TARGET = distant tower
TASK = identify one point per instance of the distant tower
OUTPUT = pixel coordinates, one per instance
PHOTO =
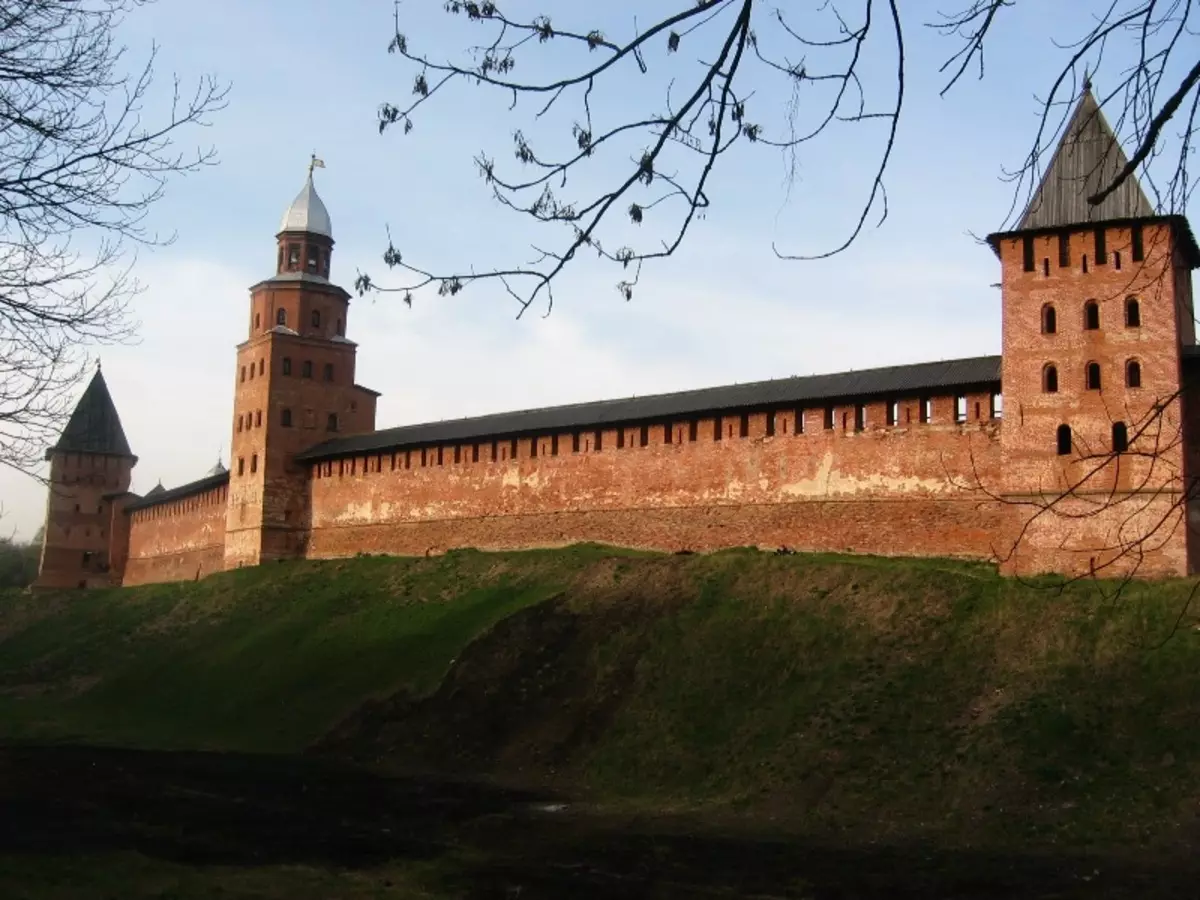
(294, 387)
(90, 469)
(1097, 316)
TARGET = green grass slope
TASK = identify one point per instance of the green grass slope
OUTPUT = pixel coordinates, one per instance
(891, 699)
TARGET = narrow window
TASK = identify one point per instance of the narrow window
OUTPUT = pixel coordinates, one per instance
(441, 458)
(293, 257)
(860, 417)
(512, 446)
(331, 423)
(1085, 264)
(1049, 319)
(243, 373)
(554, 445)
(316, 318)
(285, 418)
(599, 440)
(241, 465)
(996, 408)
(1046, 266)
(960, 409)
(693, 428)
(287, 365)
(645, 436)
(1101, 247)
(1133, 374)
(1064, 250)
(770, 423)
(253, 367)
(1028, 252)
(926, 412)
(1133, 313)
(239, 423)
(744, 426)
(829, 418)
(1117, 260)
(257, 321)
(457, 453)
(1120, 437)
(1064, 440)
(1138, 251)
(1091, 315)
(845, 421)
(341, 327)
(1049, 379)
(281, 317)
(329, 371)
(1093, 376)
(262, 366)
(666, 432)
(474, 453)
(253, 463)
(799, 429)
(893, 412)
(575, 442)
(312, 259)
(717, 428)
(495, 451)
(621, 438)
(258, 419)
(306, 369)
(533, 448)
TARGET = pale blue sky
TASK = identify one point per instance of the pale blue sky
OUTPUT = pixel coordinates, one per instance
(308, 75)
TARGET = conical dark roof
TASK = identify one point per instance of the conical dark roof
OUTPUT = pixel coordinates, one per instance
(95, 427)
(1087, 159)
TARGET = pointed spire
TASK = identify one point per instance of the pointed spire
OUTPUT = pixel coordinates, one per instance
(1088, 157)
(94, 426)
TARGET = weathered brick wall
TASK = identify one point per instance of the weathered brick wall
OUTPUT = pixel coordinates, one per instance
(908, 489)
(177, 541)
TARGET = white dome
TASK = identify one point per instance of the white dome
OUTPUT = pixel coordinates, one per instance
(307, 213)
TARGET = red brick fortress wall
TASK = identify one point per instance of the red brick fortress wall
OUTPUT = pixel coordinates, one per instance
(912, 488)
(177, 541)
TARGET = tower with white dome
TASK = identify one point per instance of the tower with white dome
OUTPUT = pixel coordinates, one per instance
(294, 387)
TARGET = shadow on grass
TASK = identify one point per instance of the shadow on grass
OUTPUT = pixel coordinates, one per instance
(207, 809)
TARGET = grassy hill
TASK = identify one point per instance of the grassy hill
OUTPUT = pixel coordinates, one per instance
(882, 699)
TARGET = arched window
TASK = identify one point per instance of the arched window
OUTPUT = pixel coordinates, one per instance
(331, 424)
(1093, 376)
(316, 318)
(312, 259)
(293, 257)
(1064, 440)
(1050, 379)
(1120, 437)
(1091, 315)
(1133, 374)
(287, 365)
(341, 327)
(257, 321)
(243, 373)
(285, 418)
(281, 317)
(1049, 319)
(1133, 313)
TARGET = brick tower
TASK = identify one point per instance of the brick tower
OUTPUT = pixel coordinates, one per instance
(90, 470)
(294, 388)
(1097, 311)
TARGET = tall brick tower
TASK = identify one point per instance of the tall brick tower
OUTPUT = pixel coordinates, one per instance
(294, 388)
(1097, 308)
(90, 470)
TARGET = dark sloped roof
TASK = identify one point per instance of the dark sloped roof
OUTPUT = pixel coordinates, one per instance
(1088, 157)
(978, 371)
(157, 496)
(94, 427)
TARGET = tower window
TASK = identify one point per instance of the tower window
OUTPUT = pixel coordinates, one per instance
(243, 373)
(1049, 379)
(1137, 250)
(1133, 313)
(860, 417)
(341, 327)
(693, 428)
(996, 410)
(717, 428)
(1093, 376)
(644, 437)
(239, 423)
(253, 463)
(285, 418)
(1091, 315)
(241, 465)
(257, 321)
(960, 409)
(893, 412)
(329, 371)
(575, 442)
(1049, 319)
(1120, 437)
(316, 318)
(666, 432)
(281, 317)
(1133, 374)
(258, 419)
(312, 259)
(1027, 252)
(293, 257)
(744, 426)
(331, 423)
(287, 365)
(1046, 266)
(1101, 247)
(1117, 260)
(828, 418)
(1085, 264)
(306, 369)
(1063, 440)
(770, 423)
(262, 366)
(926, 413)
(799, 429)
(1064, 250)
